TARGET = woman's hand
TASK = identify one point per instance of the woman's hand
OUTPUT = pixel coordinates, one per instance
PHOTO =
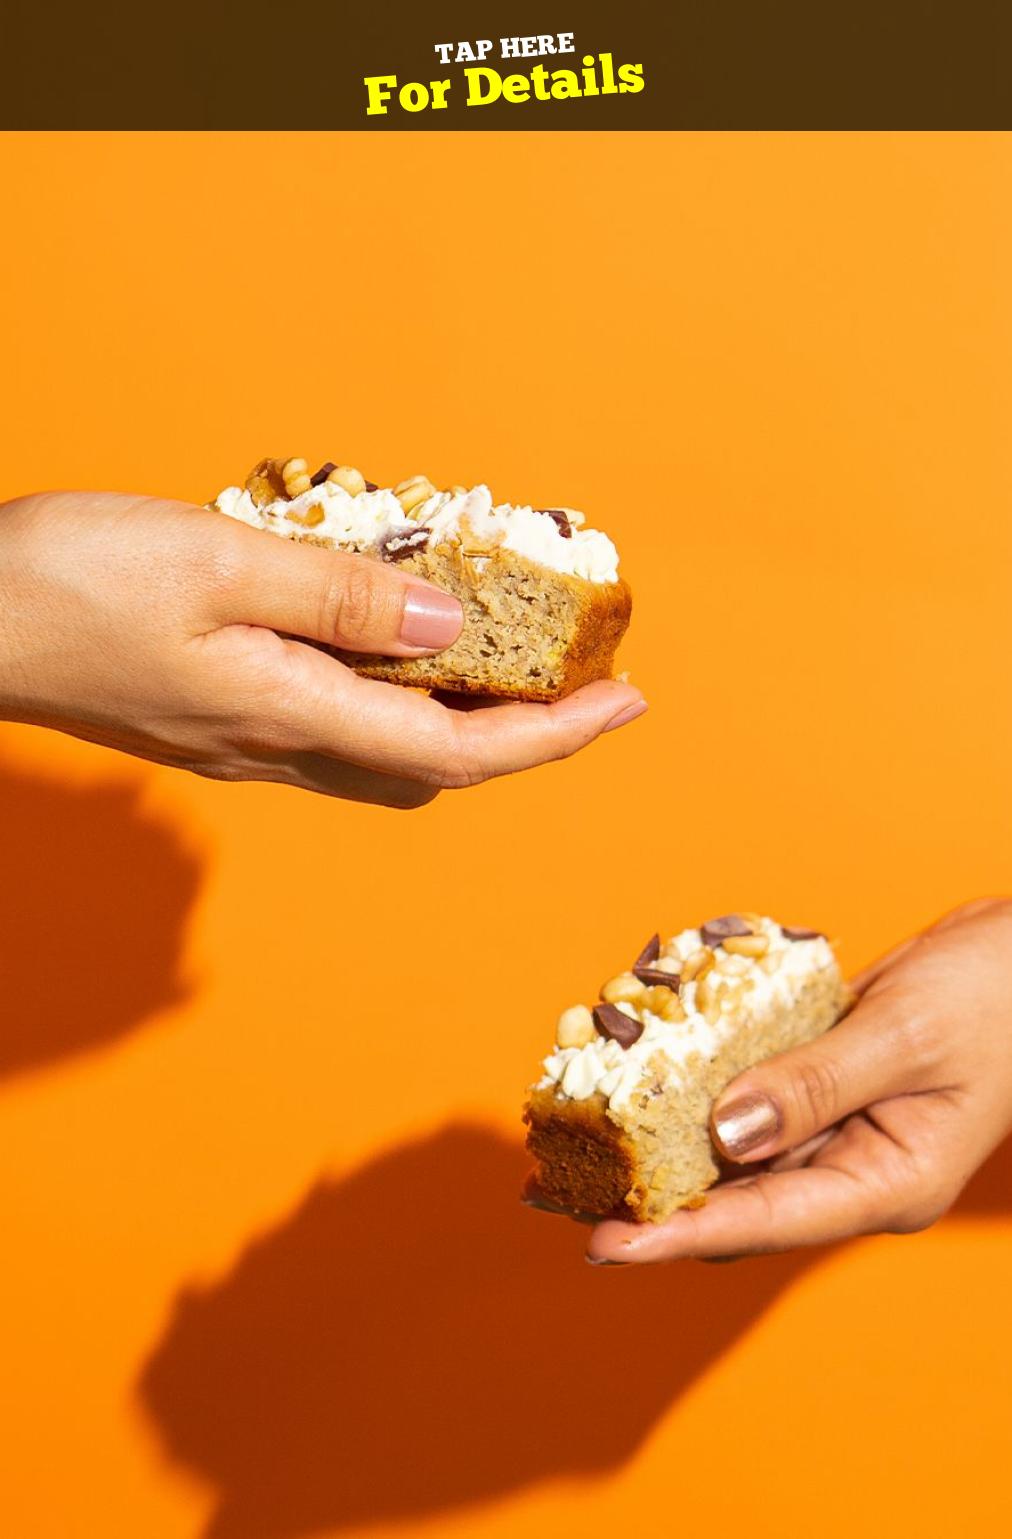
(152, 627)
(874, 1127)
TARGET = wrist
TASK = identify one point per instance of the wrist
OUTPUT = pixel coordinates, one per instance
(20, 670)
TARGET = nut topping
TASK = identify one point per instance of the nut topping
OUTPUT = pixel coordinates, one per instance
(348, 478)
(295, 474)
(309, 518)
(623, 988)
(698, 965)
(795, 932)
(265, 483)
(575, 1028)
(413, 492)
(747, 945)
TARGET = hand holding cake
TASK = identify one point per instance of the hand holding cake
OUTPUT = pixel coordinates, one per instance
(180, 636)
(875, 1126)
(542, 605)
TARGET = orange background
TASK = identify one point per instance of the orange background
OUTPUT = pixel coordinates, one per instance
(265, 1273)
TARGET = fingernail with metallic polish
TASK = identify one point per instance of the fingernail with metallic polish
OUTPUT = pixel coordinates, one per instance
(629, 714)
(746, 1124)
(431, 618)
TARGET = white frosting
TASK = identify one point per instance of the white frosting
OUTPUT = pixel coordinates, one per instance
(602, 1065)
(470, 519)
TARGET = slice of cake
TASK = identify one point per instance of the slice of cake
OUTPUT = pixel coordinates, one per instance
(544, 606)
(620, 1121)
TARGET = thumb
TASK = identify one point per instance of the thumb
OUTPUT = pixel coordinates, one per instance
(346, 600)
(789, 1099)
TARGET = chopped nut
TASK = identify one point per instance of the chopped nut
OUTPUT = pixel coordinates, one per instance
(352, 480)
(457, 490)
(623, 988)
(672, 1008)
(732, 966)
(414, 491)
(731, 996)
(310, 517)
(754, 920)
(746, 945)
(708, 1000)
(295, 474)
(654, 999)
(265, 483)
(575, 1028)
(697, 965)
(667, 965)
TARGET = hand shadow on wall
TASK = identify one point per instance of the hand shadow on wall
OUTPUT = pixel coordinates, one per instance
(410, 1339)
(94, 894)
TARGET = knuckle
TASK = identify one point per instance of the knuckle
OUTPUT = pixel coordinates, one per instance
(353, 605)
(817, 1090)
(463, 764)
(916, 1037)
(458, 776)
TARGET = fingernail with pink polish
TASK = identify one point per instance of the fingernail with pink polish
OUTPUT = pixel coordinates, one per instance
(630, 713)
(746, 1124)
(431, 619)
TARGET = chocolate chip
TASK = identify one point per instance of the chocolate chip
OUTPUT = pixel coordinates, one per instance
(716, 930)
(560, 521)
(614, 1023)
(404, 544)
(322, 473)
(652, 975)
(798, 932)
(651, 951)
(371, 486)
